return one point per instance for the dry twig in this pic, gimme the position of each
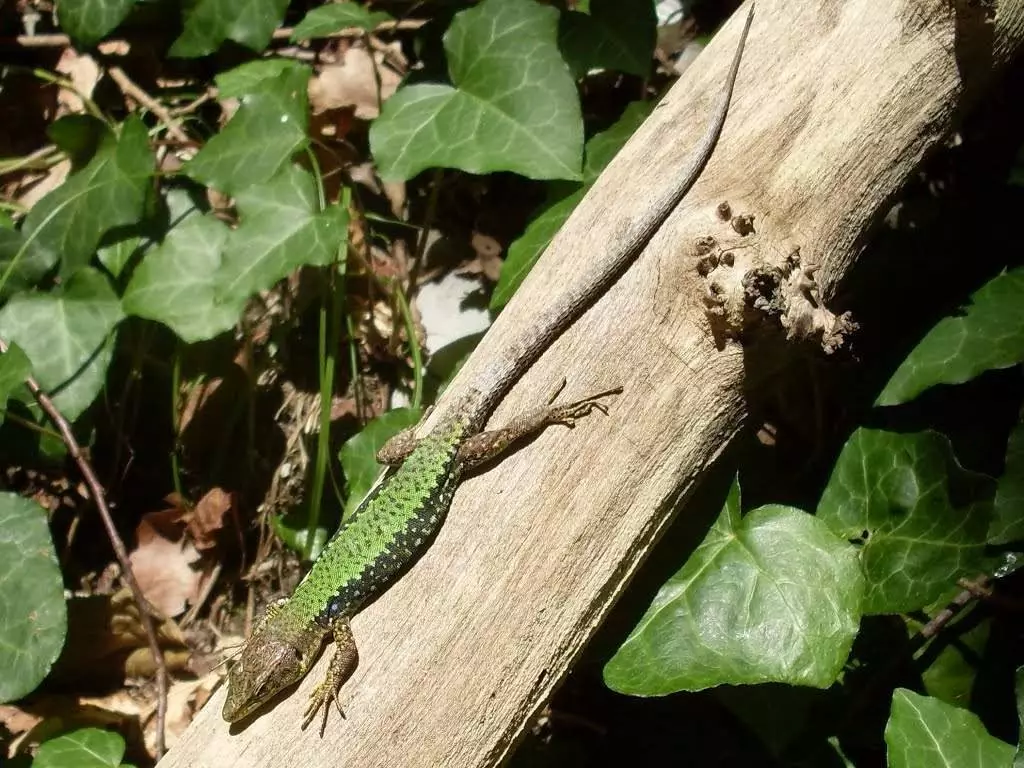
(146, 610)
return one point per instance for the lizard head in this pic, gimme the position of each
(266, 666)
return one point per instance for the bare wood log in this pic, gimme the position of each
(837, 103)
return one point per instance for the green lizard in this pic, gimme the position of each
(402, 514)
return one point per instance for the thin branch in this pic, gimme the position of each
(131, 89)
(146, 610)
(977, 589)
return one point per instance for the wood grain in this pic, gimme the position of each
(836, 104)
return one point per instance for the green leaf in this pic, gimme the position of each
(208, 23)
(110, 191)
(78, 136)
(927, 732)
(920, 519)
(770, 597)
(21, 266)
(1008, 519)
(614, 35)
(88, 21)
(950, 675)
(250, 77)
(604, 146)
(988, 334)
(14, 369)
(524, 252)
(293, 530)
(176, 283)
(526, 249)
(119, 246)
(334, 17)
(84, 748)
(280, 231)
(358, 456)
(33, 617)
(268, 128)
(67, 334)
(513, 107)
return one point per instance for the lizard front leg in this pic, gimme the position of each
(343, 664)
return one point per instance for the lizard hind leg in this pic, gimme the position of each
(486, 446)
(400, 445)
(343, 664)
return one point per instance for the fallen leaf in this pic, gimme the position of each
(488, 257)
(163, 562)
(206, 520)
(103, 633)
(84, 73)
(352, 82)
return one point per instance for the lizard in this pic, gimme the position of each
(400, 516)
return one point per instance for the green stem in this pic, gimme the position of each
(87, 102)
(176, 424)
(414, 347)
(329, 341)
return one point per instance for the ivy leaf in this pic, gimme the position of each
(925, 731)
(120, 246)
(358, 456)
(21, 265)
(524, 252)
(1008, 521)
(293, 529)
(67, 334)
(614, 35)
(250, 77)
(84, 748)
(33, 617)
(920, 519)
(208, 23)
(988, 334)
(513, 105)
(78, 137)
(109, 192)
(327, 19)
(280, 232)
(15, 367)
(528, 247)
(268, 128)
(176, 283)
(952, 669)
(88, 21)
(770, 597)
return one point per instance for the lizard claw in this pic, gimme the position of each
(322, 696)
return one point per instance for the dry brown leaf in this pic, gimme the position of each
(103, 632)
(488, 257)
(83, 72)
(206, 520)
(163, 562)
(16, 720)
(398, 197)
(184, 699)
(351, 82)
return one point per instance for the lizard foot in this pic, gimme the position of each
(322, 696)
(567, 414)
(341, 667)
